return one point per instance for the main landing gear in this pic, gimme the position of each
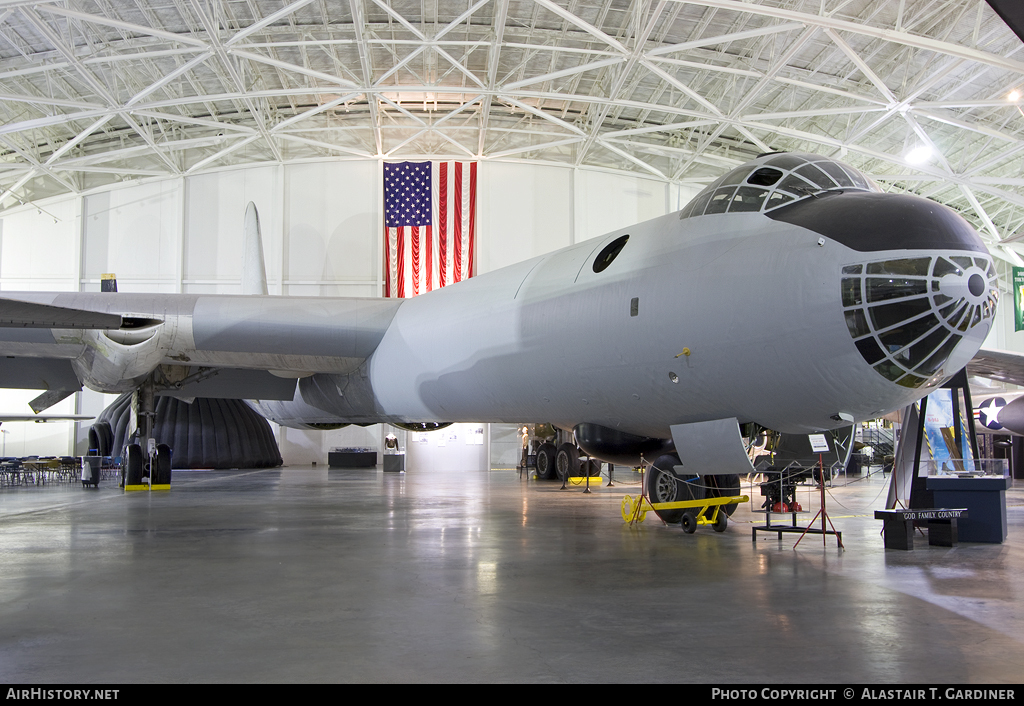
(687, 498)
(563, 461)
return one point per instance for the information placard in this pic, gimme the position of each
(819, 444)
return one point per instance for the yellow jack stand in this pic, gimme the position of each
(635, 509)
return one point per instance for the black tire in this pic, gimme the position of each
(594, 466)
(722, 521)
(134, 465)
(567, 462)
(664, 486)
(546, 461)
(689, 522)
(726, 486)
(162, 473)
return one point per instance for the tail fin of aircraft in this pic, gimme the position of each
(254, 271)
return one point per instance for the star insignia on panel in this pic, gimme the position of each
(988, 412)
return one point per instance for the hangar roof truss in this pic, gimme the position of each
(93, 92)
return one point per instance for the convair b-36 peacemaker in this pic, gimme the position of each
(790, 293)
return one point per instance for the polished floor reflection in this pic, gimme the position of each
(299, 574)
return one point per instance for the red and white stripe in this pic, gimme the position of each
(420, 259)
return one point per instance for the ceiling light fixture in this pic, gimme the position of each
(1013, 96)
(919, 155)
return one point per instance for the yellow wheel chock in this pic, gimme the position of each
(636, 507)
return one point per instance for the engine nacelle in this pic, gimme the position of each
(118, 360)
(618, 447)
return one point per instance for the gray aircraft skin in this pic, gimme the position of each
(791, 293)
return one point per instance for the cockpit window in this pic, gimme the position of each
(785, 177)
(837, 173)
(800, 187)
(748, 198)
(720, 200)
(736, 176)
(787, 161)
(814, 175)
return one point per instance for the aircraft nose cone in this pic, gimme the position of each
(976, 284)
(868, 221)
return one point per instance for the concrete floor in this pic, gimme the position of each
(309, 575)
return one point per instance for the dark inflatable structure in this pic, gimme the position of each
(209, 433)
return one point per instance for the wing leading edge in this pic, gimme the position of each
(192, 345)
(1005, 366)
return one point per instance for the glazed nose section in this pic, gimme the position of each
(918, 317)
(918, 320)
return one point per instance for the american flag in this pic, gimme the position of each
(429, 225)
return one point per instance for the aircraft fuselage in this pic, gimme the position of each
(790, 293)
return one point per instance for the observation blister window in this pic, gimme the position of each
(609, 253)
(765, 176)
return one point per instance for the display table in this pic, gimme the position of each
(394, 463)
(352, 459)
(985, 499)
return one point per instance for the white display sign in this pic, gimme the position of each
(819, 444)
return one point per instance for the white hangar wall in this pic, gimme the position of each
(322, 235)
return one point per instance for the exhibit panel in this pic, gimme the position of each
(459, 447)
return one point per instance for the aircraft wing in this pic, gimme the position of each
(46, 417)
(22, 314)
(1005, 366)
(197, 345)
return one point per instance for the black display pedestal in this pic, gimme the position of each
(352, 459)
(985, 500)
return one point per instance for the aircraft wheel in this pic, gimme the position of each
(135, 465)
(726, 486)
(664, 486)
(546, 461)
(567, 461)
(162, 474)
(594, 468)
(722, 521)
(689, 522)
